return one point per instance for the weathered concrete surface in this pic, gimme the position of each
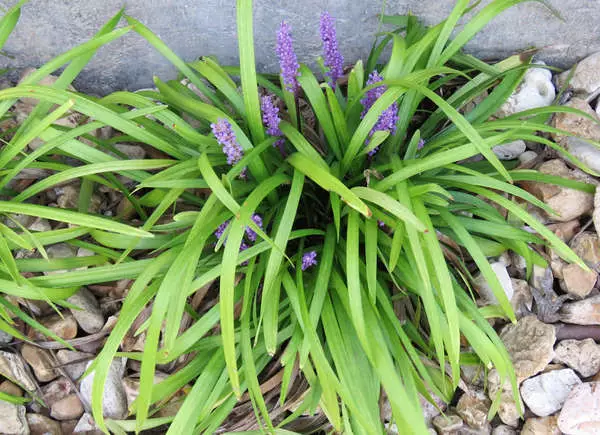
(202, 27)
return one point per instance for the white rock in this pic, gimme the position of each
(12, 419)
(536, 90)
(545, 394)
(581, 355)
(89, 317)
(527, 156)
(485, 291)
(581, 412)
(114, 398)
(510, 150)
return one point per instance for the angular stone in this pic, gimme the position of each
(89, 317)
(114, 398)
(448, 423)
(585, 312)
(507, 408)
(68, 408)
(581, 412)
(133, 152)
(565, 230)
(40, 225)
(41, 425)
(576, 124)
(522, 299)
(587, 247)
(68, 359)
(9, 388)
(12, 367)
(65, 327)
(510, 150)
(545, 394)
(86, 424)
(12, 419)
(56, 391)
(473, 408)
(527, 156)
(530, 344)
(578, 282)
(68, 196)
(568, 203)
(485, 291)
(541, 426)
(586, 78)
(40, 361)
(503, 430)
(581, 355)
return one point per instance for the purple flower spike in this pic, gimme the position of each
(421, 144)
(250, 232)
(270, 116)
(389, 117)
(331, 52)
(288, 62)
(271, 120)
(226, 137)
(372, 94)
(309, 259)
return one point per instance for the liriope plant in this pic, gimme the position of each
(314, 234)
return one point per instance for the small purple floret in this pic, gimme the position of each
(225, 135)
(250, 233)
(331, 53)
(221, 229)
(421, 144)
(389, 117)
(309, 259)
(288, 62)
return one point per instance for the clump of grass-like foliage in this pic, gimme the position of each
(337, 278)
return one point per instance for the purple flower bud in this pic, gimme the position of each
(226, 137)
(288, 62)
(389, 117)
(421, 144)
(331, 53)
(250, 232)
(309, 259)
